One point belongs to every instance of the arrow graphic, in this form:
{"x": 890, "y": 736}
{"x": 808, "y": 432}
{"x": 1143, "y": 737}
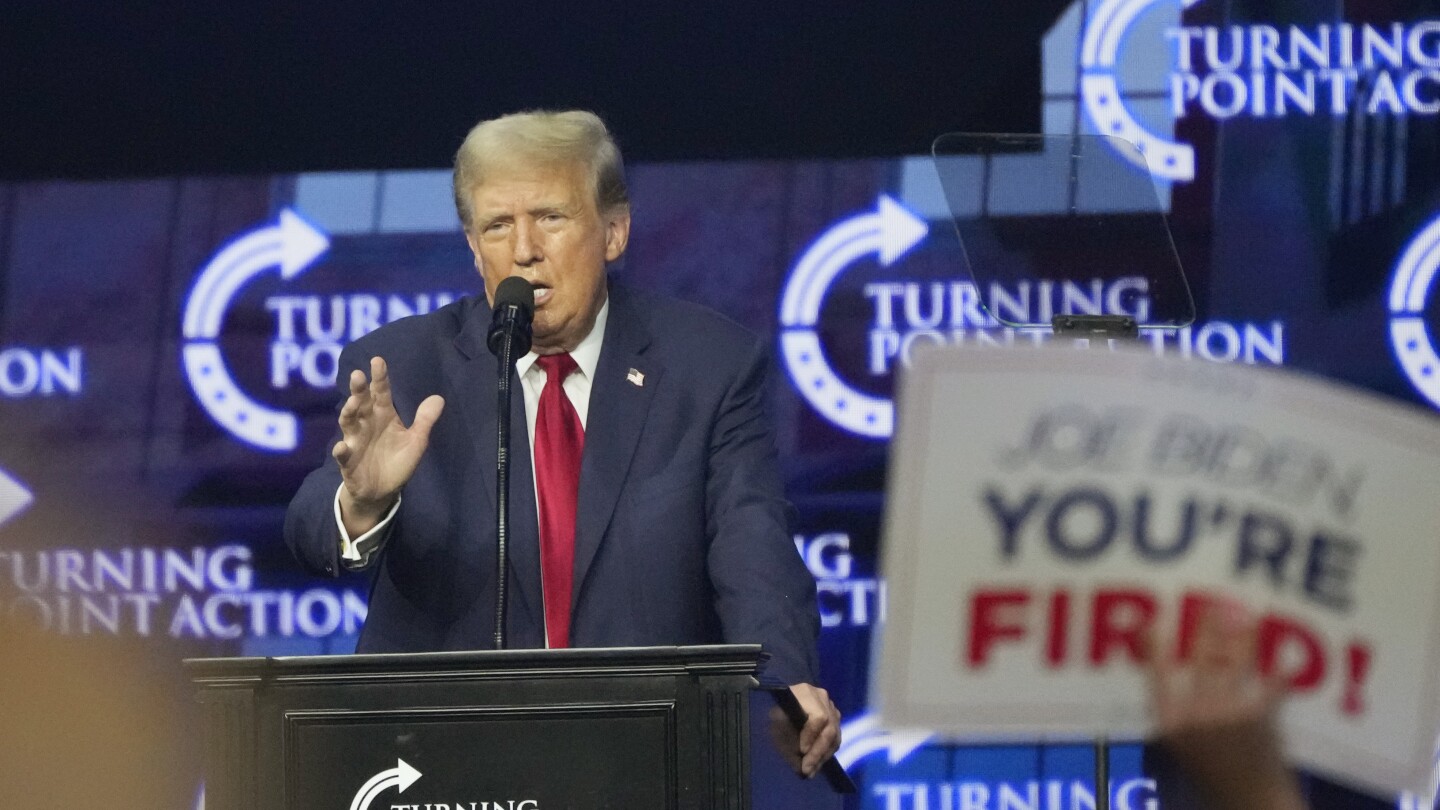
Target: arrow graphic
{"x": 863, "y": 736}
{"x": 291, "y": 245}
{"x": 402, "y": 775}
{"x": 14, "y": 497}
{"x": 889, "y": 232}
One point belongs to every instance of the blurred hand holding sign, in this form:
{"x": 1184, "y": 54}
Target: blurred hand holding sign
{"x": 1049, "y": 507}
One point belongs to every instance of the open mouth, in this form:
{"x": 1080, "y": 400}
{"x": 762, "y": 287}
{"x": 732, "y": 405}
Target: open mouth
{"x": 542, "y": 294}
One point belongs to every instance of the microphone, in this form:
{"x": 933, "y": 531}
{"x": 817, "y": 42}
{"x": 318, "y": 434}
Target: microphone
{"x": 509, "y": 336}
{"x": 514, "y": 310}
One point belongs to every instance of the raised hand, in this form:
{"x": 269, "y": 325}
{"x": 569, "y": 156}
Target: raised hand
{"x": 1215, "y": 713}
{"x": 377, "y": 453}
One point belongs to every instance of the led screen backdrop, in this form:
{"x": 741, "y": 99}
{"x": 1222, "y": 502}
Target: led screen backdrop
{"x": 167, "y": 346}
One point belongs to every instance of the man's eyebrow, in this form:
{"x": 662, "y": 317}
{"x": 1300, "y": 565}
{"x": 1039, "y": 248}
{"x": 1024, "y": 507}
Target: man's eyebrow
{"x": 551, "y": 208}
{"x": 487, "y": 217}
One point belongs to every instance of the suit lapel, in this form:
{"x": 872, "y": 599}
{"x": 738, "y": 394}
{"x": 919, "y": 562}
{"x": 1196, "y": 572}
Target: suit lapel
{"x": 471, "y": 373}
{"x": 619, "y": 404}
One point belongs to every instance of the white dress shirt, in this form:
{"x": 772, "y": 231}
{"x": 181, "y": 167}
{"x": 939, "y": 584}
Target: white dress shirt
{"x": 357, "y": 553}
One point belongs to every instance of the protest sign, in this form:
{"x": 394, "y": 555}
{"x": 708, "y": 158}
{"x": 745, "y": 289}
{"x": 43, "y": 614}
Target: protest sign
{"x": 1048, "y": 507}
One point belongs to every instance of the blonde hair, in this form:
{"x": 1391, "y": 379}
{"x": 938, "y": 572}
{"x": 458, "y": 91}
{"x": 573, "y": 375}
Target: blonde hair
{"x": 541, "y": 138}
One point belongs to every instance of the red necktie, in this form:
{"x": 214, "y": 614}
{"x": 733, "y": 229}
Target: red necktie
{"x": 559, "y": 442}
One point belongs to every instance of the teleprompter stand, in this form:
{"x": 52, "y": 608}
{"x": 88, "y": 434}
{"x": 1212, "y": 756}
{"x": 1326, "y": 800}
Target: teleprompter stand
{"x": 1064, "y": 238}
{"x": 656, "y": 728}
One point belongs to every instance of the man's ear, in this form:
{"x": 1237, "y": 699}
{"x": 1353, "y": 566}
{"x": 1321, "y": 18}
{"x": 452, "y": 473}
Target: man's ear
{"x": 617, "y": 232}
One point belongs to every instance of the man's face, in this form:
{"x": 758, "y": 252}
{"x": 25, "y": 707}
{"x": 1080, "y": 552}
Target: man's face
{"x": 542, "y": 224}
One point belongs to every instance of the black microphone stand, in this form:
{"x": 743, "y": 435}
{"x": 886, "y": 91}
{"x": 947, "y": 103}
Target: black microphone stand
{"x": 509, "y": 337}
{"x": 502, "y": 492}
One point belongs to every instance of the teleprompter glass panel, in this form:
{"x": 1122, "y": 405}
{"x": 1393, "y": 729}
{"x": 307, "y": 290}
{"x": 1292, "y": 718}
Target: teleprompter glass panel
{"x": 1059, "y": 226}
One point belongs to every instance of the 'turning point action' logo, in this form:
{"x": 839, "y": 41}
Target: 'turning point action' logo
{"x": 291, "y": 246}
{"x": 890, "y": 231}
{"x": 1262, "y": 70}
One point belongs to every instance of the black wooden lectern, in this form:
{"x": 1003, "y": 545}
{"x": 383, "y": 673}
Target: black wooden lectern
{"x": 657, "y": 727}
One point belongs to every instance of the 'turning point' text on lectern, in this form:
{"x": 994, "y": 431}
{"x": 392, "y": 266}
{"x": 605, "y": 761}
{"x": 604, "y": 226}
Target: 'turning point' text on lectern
{"x": 663, "y": 727}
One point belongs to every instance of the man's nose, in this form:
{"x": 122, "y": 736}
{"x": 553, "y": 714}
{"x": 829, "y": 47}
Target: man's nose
{"x": 527, "y": 246}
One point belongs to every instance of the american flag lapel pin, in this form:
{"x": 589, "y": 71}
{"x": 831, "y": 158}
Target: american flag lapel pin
{"x": 636, "y": 378}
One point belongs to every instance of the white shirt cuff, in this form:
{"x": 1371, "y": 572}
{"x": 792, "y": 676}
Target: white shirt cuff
{"x": 357, "y": 552}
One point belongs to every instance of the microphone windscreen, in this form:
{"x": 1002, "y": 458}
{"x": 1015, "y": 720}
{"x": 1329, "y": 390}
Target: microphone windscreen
{"x": 514, "y": 308}
{"x": 515, "y": 292}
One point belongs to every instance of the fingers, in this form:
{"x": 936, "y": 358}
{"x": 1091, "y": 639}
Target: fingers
{"x": 785, "y": 737}
{"x": 1219, "y": 683}
{"x": 819, "y": 750}
{"x": 372, "y": 397}
{"x": 358, "y": 384}
{"x": 820, "y": 737}
{"x": 380, "y": 383}
{"x": 1159, "y": 672}
{"x": 367, "y": 397}
{"x": 358, "y": 405}
{"x": 377, "y": 453}
{"x": 1225, "y": 650}
{"x": 426, "y": 415}
{"x": 825, "y": 744}
{"x": 354, "y": 418}
{"x": 814, "y": 724}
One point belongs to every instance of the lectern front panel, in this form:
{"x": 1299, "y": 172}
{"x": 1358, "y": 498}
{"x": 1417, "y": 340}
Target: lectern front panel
{"x": 483, "y": 758}
{"x": 650, "y": 728}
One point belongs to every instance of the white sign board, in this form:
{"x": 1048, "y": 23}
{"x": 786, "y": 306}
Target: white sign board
{"x": 1047, "y": 506}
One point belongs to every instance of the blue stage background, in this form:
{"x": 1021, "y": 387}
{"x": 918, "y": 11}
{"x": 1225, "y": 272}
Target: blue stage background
{"x": 134, "y": 503}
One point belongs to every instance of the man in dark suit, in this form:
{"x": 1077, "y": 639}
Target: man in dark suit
{"x": 656, "y": 514}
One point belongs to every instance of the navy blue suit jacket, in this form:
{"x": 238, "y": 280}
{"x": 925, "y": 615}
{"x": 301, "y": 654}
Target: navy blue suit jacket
{"x": 681, "y": 531}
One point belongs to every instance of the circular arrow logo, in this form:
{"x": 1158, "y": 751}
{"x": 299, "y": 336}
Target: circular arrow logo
{"x": 890, "y": 231}
{"x": 1100, "y": 90}
{"x": 401, "y": 776}
{"x": 291, "y": 245}
{"x": 1409, "y": 289}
